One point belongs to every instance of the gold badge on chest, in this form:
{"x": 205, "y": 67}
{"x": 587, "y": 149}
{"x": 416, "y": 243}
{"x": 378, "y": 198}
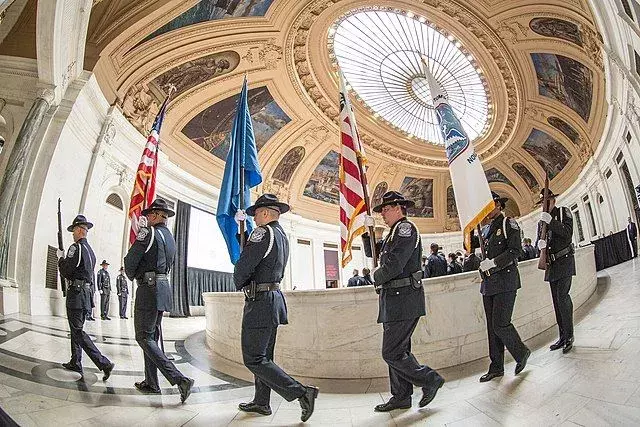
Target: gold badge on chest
{"x": 499, "y": 232}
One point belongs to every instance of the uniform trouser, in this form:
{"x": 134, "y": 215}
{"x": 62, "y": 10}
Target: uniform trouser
{"x": 501, "y": 332}
{"x": 147, "y": 325}
{"x": 634, "y": 247}
{"x": 81, "y": 341}
{"x": 122, "y": 299}
{"x": 404, "y": 369}
{"x": 563, "y": 306}
{"x": 104, "y": 304}
{"x": 257, "y": 353}
{"x": 89, "y": 313}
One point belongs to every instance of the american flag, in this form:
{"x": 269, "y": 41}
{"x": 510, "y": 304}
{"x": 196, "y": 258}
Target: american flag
{"x": 144, "y": 187}
{"x": 353, "y": 207}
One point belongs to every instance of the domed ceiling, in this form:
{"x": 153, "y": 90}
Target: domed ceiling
{"x": 525, "y": 77}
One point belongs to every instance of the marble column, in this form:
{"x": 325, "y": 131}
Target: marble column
{"x": 15, "y": 172}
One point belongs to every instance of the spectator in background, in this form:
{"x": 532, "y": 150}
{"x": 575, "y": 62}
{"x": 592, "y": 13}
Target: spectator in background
{"x": 453, "y": 267}
{"x": 460, "y": 258}
{"x": 436, "y": 263}
{"x": 355, "y": 280}
{"x": 424, "y": 266}
{"x": 366, "y": 277}
{"x": 471, "y": 263}
{"x": 632, "y": 234}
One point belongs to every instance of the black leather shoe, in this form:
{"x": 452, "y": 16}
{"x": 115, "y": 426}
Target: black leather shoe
{"x": 91, "y": 319}
{"x": 308, "y": 402}
{"x": 185, "y": 388}
{"x": 103, "y": 318}
{"x": 107, "y": 318}
{"x": 429, "y": 393}
{"x": 72, "y": 367}
{"x": 490, "y": 375}
{"x": 107, "y": 371}
{"x": 568, "y": 345}
{"x": 557, "y": 345}
{"x": 146, "y": 388}
{"x": 254, "y": 407}
{"x": 522, "y": 363}
{"x": 125, "y": 317}
{"x": 393, "y": 404}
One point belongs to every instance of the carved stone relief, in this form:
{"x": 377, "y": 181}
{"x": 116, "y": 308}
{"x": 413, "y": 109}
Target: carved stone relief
{"x": 140, "y": 107}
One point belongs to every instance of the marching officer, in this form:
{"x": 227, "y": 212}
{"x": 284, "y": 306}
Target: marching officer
{"x": 77, "y": 269}
{"x": 500, "y": 283}
{"x": 148, "y": 262}
{"x": 103, "y": 282}
{"x": 258, "y": 273}
{"x": 123, "y": 293}
{"x": 560, "y": 268}
{"x": 398, "y": 279}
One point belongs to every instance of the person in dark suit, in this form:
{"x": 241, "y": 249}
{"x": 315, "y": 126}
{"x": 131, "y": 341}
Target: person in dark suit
{"x": 500, "y": 283}
{"x": 355, "y": 280}
{"x": 148, "y": 262}
{"x": 366, "y": 277}
{"x": 471, "y": 263}
{"x": 453, "y": 267}
{"x": 528, "y": 251}
{"x": 561, "y": 267}
{"x": 123, "y": 293}
{"x": 398, "y": 279}
{"x": 258, "y": 273}
{"x": 436, "y": 264}
{"x": 103, "y": 281}
{"x": 77, "y": 270}
{"x": 632, "y": 234}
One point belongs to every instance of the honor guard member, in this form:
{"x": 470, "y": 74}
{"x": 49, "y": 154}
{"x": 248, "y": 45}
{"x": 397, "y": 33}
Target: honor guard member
{"x": 398, "y": 279}
{"x": 258, "y": 273}
{"x": 148, "y": 261}
{"x": 103, "y": 281}
{"x": 560, "y": 268}
{"x": 77, "y": 269}
{"x": 123, "y": 293}
{"x": 500, "y": 283}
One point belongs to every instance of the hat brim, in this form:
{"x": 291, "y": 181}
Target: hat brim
{"x": 147, "y": 211}
{"x": 550, "y": 196}
{"x": 405, "y": 203}
{"x": 502, "y": 200}
{"x": 72, "y": 226}
{"x": 282, "y": 207}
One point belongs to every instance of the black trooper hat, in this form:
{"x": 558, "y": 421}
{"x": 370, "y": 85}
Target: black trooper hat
{"x": 393, "y": 198}
{"x": 499, "y": 199}
{"x": 79, "y": 220}
{"x": 550, "y": 195}
{"x": 158, "y": 205}
{"x": 268, "y": 200}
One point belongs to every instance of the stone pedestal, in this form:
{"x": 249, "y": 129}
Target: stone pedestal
{"x": 9, "y": 297}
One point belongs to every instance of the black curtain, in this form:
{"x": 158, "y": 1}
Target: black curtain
{"x": 179, "y": 272}
{"x": 612, "y": 250}
{"x": 200, "y": 280}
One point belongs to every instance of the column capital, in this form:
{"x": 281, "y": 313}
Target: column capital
{"x": 47, "y": 93}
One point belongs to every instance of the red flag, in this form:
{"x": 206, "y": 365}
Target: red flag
{"x": 144, "y": 186}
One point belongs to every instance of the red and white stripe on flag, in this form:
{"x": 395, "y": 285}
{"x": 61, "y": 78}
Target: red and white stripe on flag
{"x": 352, "y": 204}
{"x": 144, "y": 183}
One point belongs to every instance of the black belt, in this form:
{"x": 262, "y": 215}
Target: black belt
{"x": 397, "y": 283}
{"x": 265, "y": 287}
{"x": 561, "y": 253}
{"x": 496, "y": 269}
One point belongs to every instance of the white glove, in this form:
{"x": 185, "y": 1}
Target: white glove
{"x": 487, "y": 264}
{"x": 542, "y": 244}
{"x": 142, "y": 222}
{"x": 60, "y": 253}
{"x": 240, "y": 216}
{"x": 545, "y": 217}
{"x": 373, "y": 271}
{"x": 100, "y": 292}
{"x": 369, "y": 221}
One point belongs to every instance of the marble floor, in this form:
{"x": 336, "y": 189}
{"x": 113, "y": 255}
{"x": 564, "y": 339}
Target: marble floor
{"x": 597, "y": 384}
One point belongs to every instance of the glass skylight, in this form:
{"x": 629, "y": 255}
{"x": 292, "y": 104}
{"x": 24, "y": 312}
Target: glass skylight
{"x": 379, "y": 51}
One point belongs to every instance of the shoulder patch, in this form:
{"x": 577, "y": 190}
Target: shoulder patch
{"x": 142, "y": 234}
{"x": 514, "y": 224}
{"x": 72, "y": 251}
{"x": 404, "y": 229}
{"x": 257, "y": 235}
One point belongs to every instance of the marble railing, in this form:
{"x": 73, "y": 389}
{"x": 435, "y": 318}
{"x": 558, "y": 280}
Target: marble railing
{"x": 333, "y": 334}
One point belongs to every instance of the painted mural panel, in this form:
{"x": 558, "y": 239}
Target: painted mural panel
{"x": 565, "y": 80}
{"x": 211, "y": 10}
{"x": 211, "y": 129}
{"x": 494, "y": 175}
{"x": 566, "y": 129}
{"x": 420, "y": 190}
{"x": 324, "y": 182}
{"x": 527, "y": 176}
{"x": 288, "y": 164}
{"x": 547, "y": 151}
{"x": 558, "y": 28}
{"x": 191, "y": 74}
{"x": 381, "y": 188}
{"x": 452, "y": 208}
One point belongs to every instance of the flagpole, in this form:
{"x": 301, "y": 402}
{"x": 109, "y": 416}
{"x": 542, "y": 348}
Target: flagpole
{"x": 365, "y": 191}
{"x": 242, "y": 166}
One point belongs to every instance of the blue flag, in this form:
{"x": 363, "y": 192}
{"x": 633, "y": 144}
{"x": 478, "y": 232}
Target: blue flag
{"x": 242, "y": 153}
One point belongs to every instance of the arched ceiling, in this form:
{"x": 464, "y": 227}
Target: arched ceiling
{"x": 540, "y": 63}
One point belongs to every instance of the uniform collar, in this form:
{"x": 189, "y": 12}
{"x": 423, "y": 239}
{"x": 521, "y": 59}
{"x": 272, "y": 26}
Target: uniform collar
{"x": 398, "y": 222}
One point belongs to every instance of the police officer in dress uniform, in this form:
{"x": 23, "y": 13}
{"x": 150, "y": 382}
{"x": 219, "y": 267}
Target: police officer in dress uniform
{"x": 500, "y": 283}
{"x": 258, "y": 273}
{"x": 123, "y": 293}
{"x": 148, "y": 262}
{"x": 398, "y": 279}
{"x": 103, "y": 282}
{"x": 77, "y": 269}
{"x": 560, "y": 268}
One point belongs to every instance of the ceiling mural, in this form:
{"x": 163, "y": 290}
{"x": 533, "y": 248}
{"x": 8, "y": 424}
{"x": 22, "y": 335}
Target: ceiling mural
{"x": 192, "y": 73}
{"x": 381, "y": 188}
{"x": 559, "y": 28}
{"x": 324, "y": 182}
{"x": 566, "y": 129}
{"x": 526, "y": 176}
{"x": 547, "y": 151}
{"x": 565, "y": 80}
{"x": 494, "y": 175}
{"x": 420, "y": 190}
{"x": 211, "y": 129}
{"x": 287, "y": 166}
